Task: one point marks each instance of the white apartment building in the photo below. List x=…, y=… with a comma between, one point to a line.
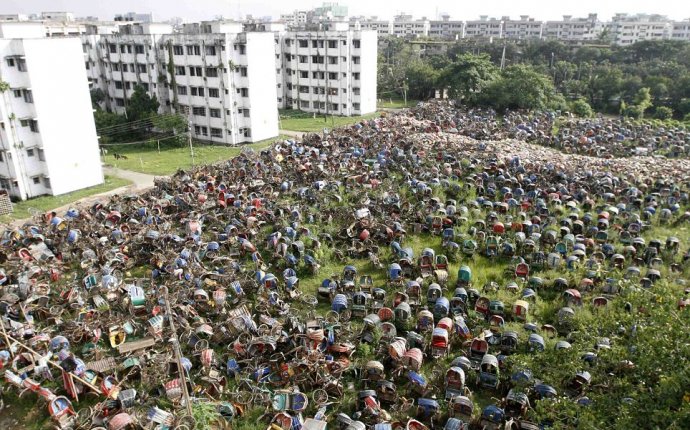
x=382, y=27
x=294, y=19
x=14, y=17
x=523, y=29
x=332, y=71
x=447, y=29
x=680, y=30
x=574, y=29
x=407, y=26
x=212, y=72
x=628, y=29
x=45, y=148
x=484, y=28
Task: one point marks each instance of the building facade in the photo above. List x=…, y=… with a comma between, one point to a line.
x=525, y=28
x=680, y=30
x=44, y=147
x=446, y=28
x=574, y=29
x=484, y=28
x=628, y=29
x=407, y=26
x=331, y=71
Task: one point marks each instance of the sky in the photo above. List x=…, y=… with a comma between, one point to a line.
x=194, y=10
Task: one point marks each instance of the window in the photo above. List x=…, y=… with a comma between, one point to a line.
x=214, y=113
x=33, y=125
x=46, y=182
x=193, y=50
x=302, y=59
x=29, y=152
x=332, y=43
x=116, y=67
x=141, y=68
x=201, y=130
x=21, y=65
x=182, y=90
x=332, y=60
x=243, y=71
x=124, y=67
x=356, y=43
x=118, y=85
x=319, y=105
x=213, y=92
x=119, y=102
x=332, y=91
x=2, y=158
x=86, y=64
x=332, y=76
x=334, y=106
x=303, y=89
x=145, y=86
x=128, y=85
x=113, y=48
x=244, y=92
x=246, y=113
x=210, y=50
x=304, y=104
x=36, y=179
x=195, y=71
x=123, y=49
x=217, y=132
x=355, y=106
x=317, y=43
x=197, y=91
x=318, y=90
x=177, y=50
x=355, y=60
x=317, y=59
x=199, y=111
x=211, y=72
x=10, y=62
x=355, y=76
x=138, y=49
x=303, y=43
x=41, y=155
x=247, y=132
x=243, y=49
x=180, y=70
x=304, y=74
x=17, y=93
x=355, y=91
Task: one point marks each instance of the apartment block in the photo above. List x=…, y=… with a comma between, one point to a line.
x=382, y=27
x=407, y=26
x=524, y=28
x=331, y=71
x=628, y=29
x=484, y=28
x=680, y=30
x=48, y=142
x=574, y=29
x=446, y=28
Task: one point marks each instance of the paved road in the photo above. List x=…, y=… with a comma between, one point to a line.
x=292, y=133
x=140, y=181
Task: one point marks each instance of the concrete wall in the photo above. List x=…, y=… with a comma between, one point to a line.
x=261, y=73
x=368, y=54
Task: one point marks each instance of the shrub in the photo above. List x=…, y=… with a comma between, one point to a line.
x=581, y=108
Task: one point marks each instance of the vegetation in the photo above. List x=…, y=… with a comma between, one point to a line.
x=146, y=158
x=45, y=203
x=296, y=120
x=607, y=77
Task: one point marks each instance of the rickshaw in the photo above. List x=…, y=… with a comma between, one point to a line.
x=564, y=318
x=403, y=317
x=286, y=400
x=464, y=276
x=397, y=348
x=572, y=297
x=425, y=321
x=460, y=328
x=496, y=307
x=414, y=293
x=339, y=304
x=426, y=262
x=395, y=275
x=489, y=372
x=441, y=308
x=137, y=300
x=509, y=342
x=433, y=293
x=520, y=310
x=478, y=349
x=536, y=342
x=413, y=359
x=360, y=302
x=522, y=270
x=516, y=403
x=349, y=273
x=387, y=391
x=378, y=296
x=455, y=382
x=366, y=284
x=418, y=382
x=461, y=407
x=482, y=305
x=439, y=343
x=427, y=409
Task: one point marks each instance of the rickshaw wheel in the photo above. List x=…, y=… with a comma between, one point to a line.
x=345, y=315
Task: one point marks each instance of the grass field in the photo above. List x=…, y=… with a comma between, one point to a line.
x=395, y=103
x=146, y=158
x=304, y=121
x=46, y=203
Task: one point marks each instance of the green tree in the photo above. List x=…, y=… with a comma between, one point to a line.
x=581, y=108
x=663, y=112
x=468, y=76
x=111, y=127
x=141, y=105
x=521, y=87
x=643, y=100
x=97, y=97
x=422, y=79
x=4, y=86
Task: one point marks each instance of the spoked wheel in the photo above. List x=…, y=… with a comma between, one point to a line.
x=309, y=299
x=320, y=397
x=345, y=315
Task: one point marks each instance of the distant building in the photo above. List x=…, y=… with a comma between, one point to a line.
x=135, y=17
x=574, y=29
x=330, y=11
x=407, y=26
x=628, y=29
x=447, y=29
x=57, y=16
x=14, y=17
x=523, y=29
x=382, y=27
x=45, y=148
x=680, y=30
x=484, y=28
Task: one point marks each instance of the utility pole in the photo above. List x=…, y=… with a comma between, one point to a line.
x=189, y=134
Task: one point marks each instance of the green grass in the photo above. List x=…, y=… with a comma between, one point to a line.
x=304, y=121
x=146, y=158
x=46, y=203
x=395, y=103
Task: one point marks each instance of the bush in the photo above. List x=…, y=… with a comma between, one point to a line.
x=581, y=108
x=663, y=112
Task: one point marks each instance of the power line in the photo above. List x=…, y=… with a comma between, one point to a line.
x=142, y=141
x=136, y=123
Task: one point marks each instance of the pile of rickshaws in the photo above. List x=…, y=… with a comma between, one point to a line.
x=392, y=274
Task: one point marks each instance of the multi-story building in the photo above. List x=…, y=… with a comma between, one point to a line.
x=329, y=11
x=381, y=26
x=681, y=30
x=135, y=17
x=44, y=147
x=523, y=29
x=628, y=29
x=407, y=26
x=574, y=29
x=14, y=17
x=484, y=28
x=294, y=19
x=447, y=29
x=331, y=71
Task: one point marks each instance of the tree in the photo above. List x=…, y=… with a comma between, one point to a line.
x=4, y=86
x=422, y=79
x=468, y=76
x=581, y=108
x=110, y=126
x=141, y=105
x=643, y=100
x=97, y=97
x=521, y=87
x=663, y=112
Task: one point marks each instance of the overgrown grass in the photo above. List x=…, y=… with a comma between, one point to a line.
x=396, y=103
x=45, y=203
x=146, y=158
x=296, y=120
